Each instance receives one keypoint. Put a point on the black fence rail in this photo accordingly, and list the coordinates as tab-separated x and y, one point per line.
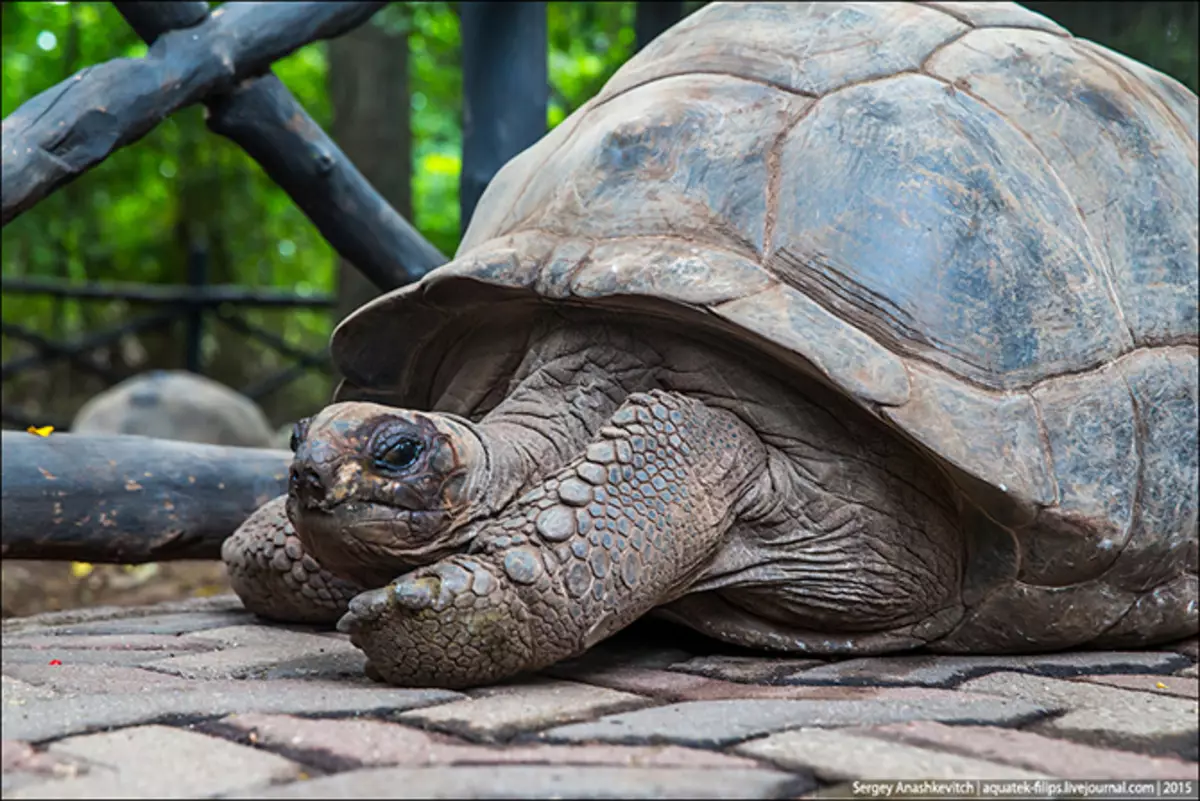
223	61
187	305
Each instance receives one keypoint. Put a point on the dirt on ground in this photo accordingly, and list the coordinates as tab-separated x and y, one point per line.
30	587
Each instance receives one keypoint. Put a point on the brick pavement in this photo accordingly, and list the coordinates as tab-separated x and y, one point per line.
200	699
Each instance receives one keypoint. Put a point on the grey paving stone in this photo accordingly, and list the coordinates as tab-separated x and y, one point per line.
334	745
1035	752
1105	715
21	765
1189	672
14	692
499	712
44	720
112	642
671	686
163	762
61	622
256	651
79	656
163	624
720	723
835	756
1178	686
949	671
747	669
72	679
539	781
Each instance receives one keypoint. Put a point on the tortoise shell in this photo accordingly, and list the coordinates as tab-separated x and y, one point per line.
977	227
176	404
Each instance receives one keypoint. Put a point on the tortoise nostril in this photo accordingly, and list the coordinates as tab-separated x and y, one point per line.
306	483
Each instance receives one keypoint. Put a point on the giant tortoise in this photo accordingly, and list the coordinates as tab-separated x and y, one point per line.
176	404
827	328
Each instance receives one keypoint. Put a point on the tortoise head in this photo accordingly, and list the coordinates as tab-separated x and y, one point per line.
375	491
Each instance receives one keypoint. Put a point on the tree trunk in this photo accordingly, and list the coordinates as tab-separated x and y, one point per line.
368	87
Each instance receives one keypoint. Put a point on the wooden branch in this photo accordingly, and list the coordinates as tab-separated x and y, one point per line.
152	20
126	499
265	120
363	228
62	132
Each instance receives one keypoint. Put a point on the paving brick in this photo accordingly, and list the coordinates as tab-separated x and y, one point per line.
264	652
749	669
537	781
21	765
949	671
720	723
145	762
334	744
1180	687
108	642
79	656
499	712
1035	752
71	679
668	685
62	621
1105	715
59	717
838	756
14	692
170	623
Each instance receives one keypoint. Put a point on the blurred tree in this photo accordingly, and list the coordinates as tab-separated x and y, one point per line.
368	88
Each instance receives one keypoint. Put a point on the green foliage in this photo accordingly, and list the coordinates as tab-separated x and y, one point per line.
133	216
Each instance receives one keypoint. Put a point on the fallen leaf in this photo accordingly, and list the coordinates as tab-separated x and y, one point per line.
41	431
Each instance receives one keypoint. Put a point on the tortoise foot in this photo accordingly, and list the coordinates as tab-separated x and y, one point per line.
275	578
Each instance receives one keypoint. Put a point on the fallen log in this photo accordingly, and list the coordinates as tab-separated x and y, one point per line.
127	499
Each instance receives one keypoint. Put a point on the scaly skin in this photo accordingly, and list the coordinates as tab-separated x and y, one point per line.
351	517
618	531
276	578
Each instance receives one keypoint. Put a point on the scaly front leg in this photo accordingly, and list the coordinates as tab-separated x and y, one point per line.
615	533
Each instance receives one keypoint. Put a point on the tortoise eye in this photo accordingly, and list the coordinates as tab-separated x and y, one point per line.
400	455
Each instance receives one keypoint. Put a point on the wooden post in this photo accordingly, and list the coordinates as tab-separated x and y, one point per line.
654	18
505	90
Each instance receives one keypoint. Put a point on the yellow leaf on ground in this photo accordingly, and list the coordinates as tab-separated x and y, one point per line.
42	431
81	569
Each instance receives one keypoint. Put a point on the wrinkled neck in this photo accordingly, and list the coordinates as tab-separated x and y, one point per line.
570	382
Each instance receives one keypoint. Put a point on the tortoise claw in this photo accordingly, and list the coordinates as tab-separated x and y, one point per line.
364	607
